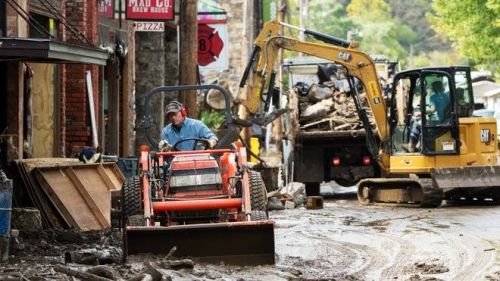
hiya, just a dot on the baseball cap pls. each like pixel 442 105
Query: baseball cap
pixel 173 107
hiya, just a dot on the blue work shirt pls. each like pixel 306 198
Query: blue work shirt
pixel 190 128
pixel 440 101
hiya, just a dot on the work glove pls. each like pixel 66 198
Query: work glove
pixel 212 143
pixel 164 146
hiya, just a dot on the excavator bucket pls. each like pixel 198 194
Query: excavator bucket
pixel 239 243
pixel 470 182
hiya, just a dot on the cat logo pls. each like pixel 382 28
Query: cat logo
pixel 484 135
pixel 344 56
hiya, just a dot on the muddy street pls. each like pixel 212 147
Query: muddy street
pixel 342 241
pixel 345 240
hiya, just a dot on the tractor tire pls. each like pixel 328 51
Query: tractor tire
pixel 131 198
pixel 258 193
pixel 259 216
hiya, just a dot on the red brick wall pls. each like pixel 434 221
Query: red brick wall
pixel 76 115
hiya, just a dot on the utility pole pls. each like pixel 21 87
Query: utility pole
pixel 277 124
pixel 188 53
pixel 304 17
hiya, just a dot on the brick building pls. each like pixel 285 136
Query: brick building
pixel 52 52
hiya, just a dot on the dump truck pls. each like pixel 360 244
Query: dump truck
pixel 455 156
pixel 326 142
pixel 324 139
pixel 203 203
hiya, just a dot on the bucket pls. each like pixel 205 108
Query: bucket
pixel 5 213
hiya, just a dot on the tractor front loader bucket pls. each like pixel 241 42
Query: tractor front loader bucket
pixel 240 243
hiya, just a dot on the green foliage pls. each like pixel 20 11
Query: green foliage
pixel 394 28
pixel 435 58
pixel 380 33
pixel 333 18
pixel 473 26
pixel 213 119
pixel 412 14
pixel 369 10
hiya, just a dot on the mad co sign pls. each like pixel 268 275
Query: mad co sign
pixel 153 10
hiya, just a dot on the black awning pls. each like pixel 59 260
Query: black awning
pixel 45 50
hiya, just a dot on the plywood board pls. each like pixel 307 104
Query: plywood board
pixel 51 216
pixel 83 192
pixel 42 109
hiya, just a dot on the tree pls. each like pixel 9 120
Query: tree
pixel 380 32
pixel 333 18
pixel 413 15
pixel 473 26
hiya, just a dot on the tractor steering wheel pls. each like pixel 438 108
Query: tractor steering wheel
pixel 204 142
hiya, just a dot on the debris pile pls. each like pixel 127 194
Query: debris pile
pixel 288 197
pixel 324 107
pixel 54 254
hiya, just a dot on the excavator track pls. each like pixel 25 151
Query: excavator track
pixel 404 192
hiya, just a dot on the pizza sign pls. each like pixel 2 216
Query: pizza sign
pixel 150 9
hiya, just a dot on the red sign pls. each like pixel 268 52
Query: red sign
pixel 105 8
pixel 150 9
pixel 209 44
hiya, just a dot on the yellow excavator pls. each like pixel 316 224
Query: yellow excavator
pixel 426 142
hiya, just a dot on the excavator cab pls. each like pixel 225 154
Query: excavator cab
pixel 434 136
pixel 425 109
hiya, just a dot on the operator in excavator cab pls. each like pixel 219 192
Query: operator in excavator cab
pixel 182 127
pixel 436 108
pixel 439 103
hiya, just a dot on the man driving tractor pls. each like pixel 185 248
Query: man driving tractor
pixel 182 127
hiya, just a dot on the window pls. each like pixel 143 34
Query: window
pixel 463 94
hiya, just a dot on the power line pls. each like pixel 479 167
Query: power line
pixel 28 18
pixel 79 35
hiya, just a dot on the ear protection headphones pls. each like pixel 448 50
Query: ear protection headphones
pixel 182 109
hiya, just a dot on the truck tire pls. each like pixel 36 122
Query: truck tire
pixel 131 198
pixel 258 193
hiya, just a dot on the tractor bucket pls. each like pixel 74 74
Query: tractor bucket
pixel 239 243
pixel 470 181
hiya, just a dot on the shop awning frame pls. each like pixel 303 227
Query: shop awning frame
pixel 46 50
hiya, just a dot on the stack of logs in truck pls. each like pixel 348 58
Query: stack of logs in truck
pixel 324 138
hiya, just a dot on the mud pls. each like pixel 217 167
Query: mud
pixel 343 241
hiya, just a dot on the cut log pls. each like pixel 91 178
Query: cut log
pixel 343 127
pixel 176 264
pixel 105 271
pixel 141 277
pixel 317 111
pixel 79 274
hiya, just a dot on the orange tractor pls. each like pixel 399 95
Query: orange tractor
pixel 207 203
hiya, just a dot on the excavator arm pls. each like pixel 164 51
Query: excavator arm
pixel 358 64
